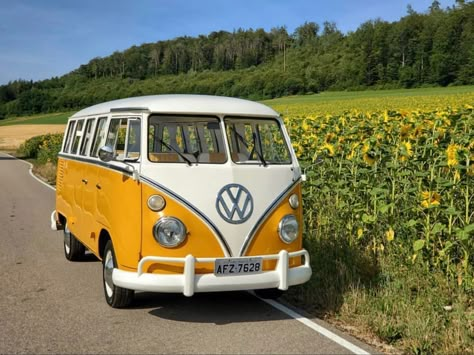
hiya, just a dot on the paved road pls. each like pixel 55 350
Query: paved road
pixel 50 305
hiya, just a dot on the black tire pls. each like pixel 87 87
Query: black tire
pixel 116 297
pixel 269 293
pixel 74 250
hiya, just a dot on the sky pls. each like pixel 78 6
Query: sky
pixel 41 39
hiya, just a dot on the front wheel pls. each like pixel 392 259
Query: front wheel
pixel 74 250
pixel 116 297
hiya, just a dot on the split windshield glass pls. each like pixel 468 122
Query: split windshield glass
pixel 256 141
pixel 176 139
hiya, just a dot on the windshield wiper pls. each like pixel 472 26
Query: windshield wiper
pixel 254 149
pixel 241 139
pixel 254 137
pixel 170 147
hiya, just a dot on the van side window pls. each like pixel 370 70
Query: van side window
pixel 133 139
pixel 70 132
pixel 124 137
pixel 87 136
pixel 77 136
pixel 99 137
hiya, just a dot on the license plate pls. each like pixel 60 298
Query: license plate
pixel 237 266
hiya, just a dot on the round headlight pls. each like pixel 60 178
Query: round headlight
pixel 288 229
pixel 156 203
pixel 294 201
pixel 169 232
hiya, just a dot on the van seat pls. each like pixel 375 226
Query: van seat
pixel 239 157
pixel 212 158
pixel 164 157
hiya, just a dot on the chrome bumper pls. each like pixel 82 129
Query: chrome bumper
pixel 188 283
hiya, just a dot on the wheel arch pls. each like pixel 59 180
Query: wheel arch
pixel 104 237
pixel 61 219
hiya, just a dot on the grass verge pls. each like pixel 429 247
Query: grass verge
pixel 50 118
pixel 394 306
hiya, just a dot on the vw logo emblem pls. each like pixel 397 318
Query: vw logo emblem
pixel 234 203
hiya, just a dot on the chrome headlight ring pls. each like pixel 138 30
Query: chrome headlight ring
pixel 288 229
pixel 169 232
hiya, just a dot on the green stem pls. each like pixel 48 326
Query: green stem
pixel 466 197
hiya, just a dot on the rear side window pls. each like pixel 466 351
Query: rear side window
pixel 77 136
pixel 99 137
pixel 69 134
pixel 87 136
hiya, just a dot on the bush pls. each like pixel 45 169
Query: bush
pixel 45 148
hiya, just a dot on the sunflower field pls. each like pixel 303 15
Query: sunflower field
pixel 393 187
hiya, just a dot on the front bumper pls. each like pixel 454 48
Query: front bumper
pixel 188 283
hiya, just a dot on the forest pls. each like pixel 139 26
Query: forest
pixel 431 48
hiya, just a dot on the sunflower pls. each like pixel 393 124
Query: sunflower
pixel 369 156
pixel 329 148
pixel 406 151
pixel 430 199
pixel 352 154
pixel 329 137
pixel 451 154
pixel 369 159
pixel 405 131
pixel 390 234
pixel 418 132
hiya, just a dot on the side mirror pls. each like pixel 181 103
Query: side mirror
pixel 106 153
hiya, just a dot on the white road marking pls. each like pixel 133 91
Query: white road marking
pixel 316 327
pixel 31 172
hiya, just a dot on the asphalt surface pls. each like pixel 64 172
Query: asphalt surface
pixel 51 305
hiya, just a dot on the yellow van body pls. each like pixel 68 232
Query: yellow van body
pixel 183 194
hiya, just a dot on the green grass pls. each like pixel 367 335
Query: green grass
pixel 50 118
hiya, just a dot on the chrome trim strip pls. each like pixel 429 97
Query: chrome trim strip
pixel 192 208
pixel 264 216
pixel 96 162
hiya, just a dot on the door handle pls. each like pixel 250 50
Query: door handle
pixel 84 181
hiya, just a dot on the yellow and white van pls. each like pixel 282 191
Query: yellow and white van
pixel 182 194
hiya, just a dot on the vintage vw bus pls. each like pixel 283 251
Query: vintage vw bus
pixel 184 194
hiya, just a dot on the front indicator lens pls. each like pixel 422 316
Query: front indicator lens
pixel 294 201
pixel 156 203
pixel 288 229
pixel 169 232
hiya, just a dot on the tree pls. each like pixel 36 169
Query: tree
pixel 306 34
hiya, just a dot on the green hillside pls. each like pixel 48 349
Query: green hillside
pixel 433 48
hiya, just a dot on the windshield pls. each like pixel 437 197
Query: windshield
pixel 191 140
pixel 256 141
pixel 175 139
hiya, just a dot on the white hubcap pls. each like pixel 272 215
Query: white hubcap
pixel 108 268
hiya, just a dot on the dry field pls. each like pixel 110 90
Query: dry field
pixel 11 137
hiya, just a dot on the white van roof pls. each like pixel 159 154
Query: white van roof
pixel 182 104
